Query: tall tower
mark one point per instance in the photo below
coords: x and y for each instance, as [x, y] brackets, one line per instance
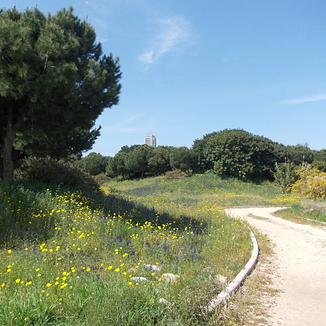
[150, 140]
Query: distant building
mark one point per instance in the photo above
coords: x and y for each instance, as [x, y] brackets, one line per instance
[150, 140]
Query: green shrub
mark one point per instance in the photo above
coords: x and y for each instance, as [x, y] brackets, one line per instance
[50, 171]
[300, 154]
[93, 163]
[319, 165]
[285, 175]
[238, 154]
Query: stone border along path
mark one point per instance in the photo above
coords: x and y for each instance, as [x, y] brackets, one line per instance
[238, 280]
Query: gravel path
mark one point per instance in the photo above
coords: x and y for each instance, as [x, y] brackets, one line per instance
[300, 265]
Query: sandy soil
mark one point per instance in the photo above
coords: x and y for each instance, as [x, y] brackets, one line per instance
[299, 265]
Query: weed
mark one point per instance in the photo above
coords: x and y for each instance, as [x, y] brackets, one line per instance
[67, 259]
[77, 258]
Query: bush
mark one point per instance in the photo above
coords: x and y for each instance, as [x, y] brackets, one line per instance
[300, 154]
[59, 172]
[319, 165]
[94, 163]
[176, 174]
[238, 154]
[312, 183]
[102, 178]
[285, 175]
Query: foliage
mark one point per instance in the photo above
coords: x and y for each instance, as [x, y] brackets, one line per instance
[101, 178]
[93, 163]
[54, 83]
[201, 164]
[237, 153]
[312, 183]
[300, 154]
[320, 155]
[52, 171]
[230, 153]
[136, 160]
[91, 251]
[77, 141]
[319, 165]
[116, 166]
[159, 161]
[285, 175]
[181, 158]
[142, 160]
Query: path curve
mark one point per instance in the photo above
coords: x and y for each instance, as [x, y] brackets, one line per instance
[300, 264]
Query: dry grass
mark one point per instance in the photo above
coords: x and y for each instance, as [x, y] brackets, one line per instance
[314, 206]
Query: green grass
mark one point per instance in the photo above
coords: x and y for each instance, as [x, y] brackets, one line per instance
[204, 190]
[307, 212]
[69, 258]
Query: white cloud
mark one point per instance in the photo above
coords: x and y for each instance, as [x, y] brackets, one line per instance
[319, 97]
[127, 125]
[175, 32]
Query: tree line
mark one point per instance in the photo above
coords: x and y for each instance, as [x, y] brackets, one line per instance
[232, 153]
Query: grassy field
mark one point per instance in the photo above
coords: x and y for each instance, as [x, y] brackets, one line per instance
[206, 191]
[71, 258]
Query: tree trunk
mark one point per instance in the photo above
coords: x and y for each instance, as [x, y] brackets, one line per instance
[8, 141]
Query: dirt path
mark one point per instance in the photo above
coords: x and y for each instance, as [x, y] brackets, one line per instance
[300, 265]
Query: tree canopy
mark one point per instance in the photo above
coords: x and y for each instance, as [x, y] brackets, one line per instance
[299, 154]
[54, 83]
[238, 153]
[93, 163]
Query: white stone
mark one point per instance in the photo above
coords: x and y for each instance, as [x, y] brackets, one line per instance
[154, 268]
[222, 279]
[170, 277]
[138, 279]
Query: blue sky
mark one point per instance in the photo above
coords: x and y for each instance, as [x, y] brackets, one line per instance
[192, 67]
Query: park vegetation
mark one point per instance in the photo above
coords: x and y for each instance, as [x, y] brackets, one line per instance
[139, 238]
[71, 257]
[54, 83]
[230, 153]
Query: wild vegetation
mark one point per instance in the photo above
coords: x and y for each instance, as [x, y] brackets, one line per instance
[70, 258]
[148, 246]
[306, 212]
[311, 182]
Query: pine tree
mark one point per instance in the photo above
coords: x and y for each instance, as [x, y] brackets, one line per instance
[54, 82]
